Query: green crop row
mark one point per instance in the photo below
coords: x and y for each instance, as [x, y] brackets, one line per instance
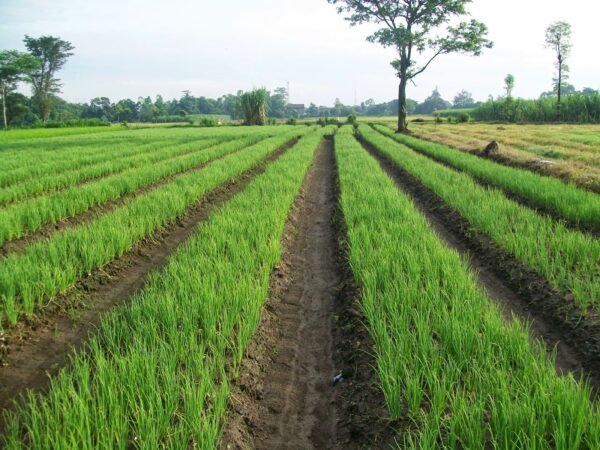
[37, 133]
[567, 200]
[59, 155]
[156, 374]
[22, 165]
[453, 372]
[569, 259]
[114, 164]
[26, 217]
[49, 267]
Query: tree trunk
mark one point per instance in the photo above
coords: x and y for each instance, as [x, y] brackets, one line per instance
[402, 128]
[559, 86]
[4, 107]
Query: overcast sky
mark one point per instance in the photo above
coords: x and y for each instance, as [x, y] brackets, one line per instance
[131, 48]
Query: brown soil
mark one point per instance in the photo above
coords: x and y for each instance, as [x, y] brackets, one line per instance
[38, 348]
[19, 245]
[556, 320]
[311, 329]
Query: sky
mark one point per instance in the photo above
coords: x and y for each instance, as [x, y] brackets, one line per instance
[132, 48]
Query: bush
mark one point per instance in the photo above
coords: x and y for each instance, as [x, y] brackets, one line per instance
[291, 121]
[576, 108]
[463, 117]
[207, 122]
[324, 121]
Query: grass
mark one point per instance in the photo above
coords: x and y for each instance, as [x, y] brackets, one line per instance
[453, 372]
[573, 151]
[567, 258]
[570, 202]
[156, 374]
[30, 215]
[113, 164]
[48, 268]
[37, 133]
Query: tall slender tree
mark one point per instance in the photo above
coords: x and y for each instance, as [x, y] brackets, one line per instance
[411, 27]
[509, 84]
[558, 38]
[52, 54]
[14, 67]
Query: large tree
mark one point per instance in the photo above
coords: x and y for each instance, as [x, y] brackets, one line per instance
[463, 100]
[558, 38]
[52, 54]
[433, 103]
[411, 27]
[14, 67]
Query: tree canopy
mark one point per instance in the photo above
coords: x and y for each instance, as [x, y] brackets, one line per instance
[414, 27]
[558, 38]
[14, 67]
[52, 54]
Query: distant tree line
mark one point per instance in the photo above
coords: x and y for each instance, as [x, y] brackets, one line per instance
[576, 107]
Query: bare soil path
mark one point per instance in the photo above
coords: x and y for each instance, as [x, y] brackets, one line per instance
[298, 393]
[518, 290]
[311, 330]
[35, 350]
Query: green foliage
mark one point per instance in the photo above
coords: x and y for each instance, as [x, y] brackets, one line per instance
[568, 201]
[577, 108]
[509, 84]
[47, 268]
[413, 27]
[463, 100]
[155, 375]
[567, 258]
[52, 54]
[463, 117]
[449, 363]
[253, 106]
[432, 103]
[208, 122]
[324, 121]
[454, 113]
[14, 67]
[291, 121]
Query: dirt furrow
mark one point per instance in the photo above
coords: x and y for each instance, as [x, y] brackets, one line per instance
[38, 348]
[311, 330]
[556, 319]
[20, 244]
[591, 230]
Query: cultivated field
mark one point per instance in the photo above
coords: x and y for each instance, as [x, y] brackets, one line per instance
[299, 287]
[570, 152]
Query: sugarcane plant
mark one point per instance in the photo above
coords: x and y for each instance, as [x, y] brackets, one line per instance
[253, 106]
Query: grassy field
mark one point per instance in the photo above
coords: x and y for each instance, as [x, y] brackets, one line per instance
[37, 133]
[570, 152]
[146, 280]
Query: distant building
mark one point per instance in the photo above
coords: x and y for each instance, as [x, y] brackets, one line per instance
[298, 108]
